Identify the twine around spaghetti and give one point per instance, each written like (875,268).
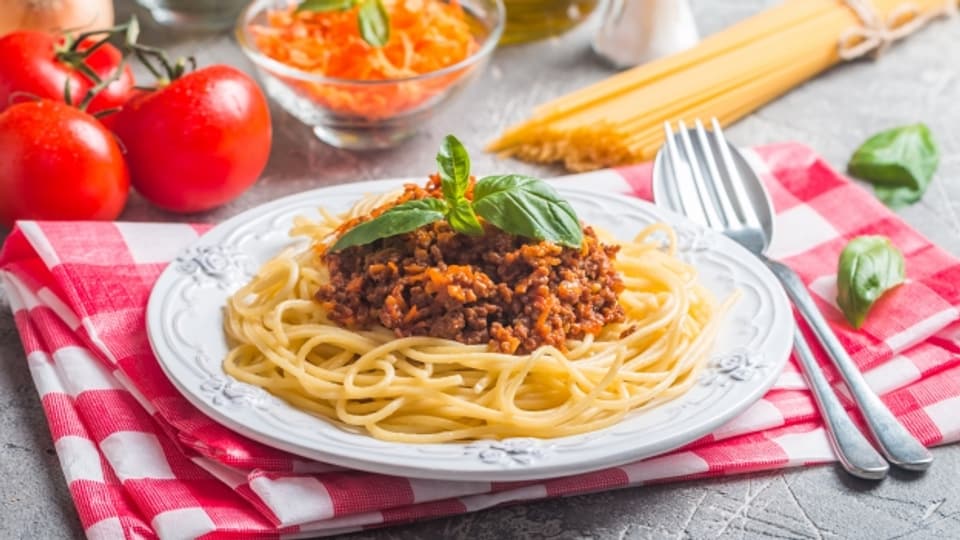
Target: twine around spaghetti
(877,34)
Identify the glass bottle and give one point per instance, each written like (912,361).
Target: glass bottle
(529,20)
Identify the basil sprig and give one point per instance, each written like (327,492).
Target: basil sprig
(899,162)
(869,267)
(373,21)
(453,164)
(400,219)
(513,203)
(463,219)
(528,207)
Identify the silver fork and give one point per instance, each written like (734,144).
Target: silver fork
(706,178)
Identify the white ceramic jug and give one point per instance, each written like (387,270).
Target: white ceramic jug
(636,31)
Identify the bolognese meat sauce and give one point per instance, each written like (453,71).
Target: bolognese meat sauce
(513,293)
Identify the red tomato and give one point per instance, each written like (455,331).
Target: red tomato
(57,162)
(29,64)
(198,142)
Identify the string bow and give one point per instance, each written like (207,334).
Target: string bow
(877,34)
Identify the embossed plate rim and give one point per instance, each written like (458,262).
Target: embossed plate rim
(256,415)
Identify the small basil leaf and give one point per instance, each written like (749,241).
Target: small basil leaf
(374,23)
(463,220)
(325,5)
(899,162)
(400,219)
(897,197)
(453,163)
(869,266)
(528,207)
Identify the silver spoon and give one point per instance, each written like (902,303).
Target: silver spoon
(706,178)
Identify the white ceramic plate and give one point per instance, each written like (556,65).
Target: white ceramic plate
(184,323)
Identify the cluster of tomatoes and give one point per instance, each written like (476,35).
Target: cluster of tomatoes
(76,132)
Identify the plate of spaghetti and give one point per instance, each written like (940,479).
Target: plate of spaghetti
(455,327)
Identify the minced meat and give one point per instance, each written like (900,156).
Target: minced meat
(513,293)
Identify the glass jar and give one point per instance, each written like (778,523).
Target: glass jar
(529,20)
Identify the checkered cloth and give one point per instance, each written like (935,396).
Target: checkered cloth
(140,461)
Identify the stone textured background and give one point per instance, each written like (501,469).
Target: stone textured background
(917,80)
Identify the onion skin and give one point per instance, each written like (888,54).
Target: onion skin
(55,15)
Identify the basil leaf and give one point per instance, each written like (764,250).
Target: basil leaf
(528,207)
(869,266)
(897,197)
(325,5)
(374,23)
(400,219)
(899,162)
(453,162)
(463,220)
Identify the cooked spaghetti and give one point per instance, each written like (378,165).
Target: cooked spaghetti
(311,328)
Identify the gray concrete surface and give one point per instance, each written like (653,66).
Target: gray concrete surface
(918,80)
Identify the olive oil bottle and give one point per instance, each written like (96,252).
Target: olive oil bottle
(529,20)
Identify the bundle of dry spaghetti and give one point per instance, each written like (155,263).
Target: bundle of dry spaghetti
(728,75)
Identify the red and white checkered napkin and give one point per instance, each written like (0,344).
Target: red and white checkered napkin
(141,461)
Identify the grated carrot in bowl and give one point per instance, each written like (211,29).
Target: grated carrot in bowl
(425,36)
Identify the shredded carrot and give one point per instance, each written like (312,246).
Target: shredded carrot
(425,36)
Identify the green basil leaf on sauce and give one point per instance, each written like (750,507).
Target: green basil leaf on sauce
(899,162)
(453,163)
(869,266)
(516,204)
(374,23)
(400,219)
(462,218)
(325,5)
(528,207)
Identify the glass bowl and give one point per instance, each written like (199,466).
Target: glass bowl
(195,14)
(334,107)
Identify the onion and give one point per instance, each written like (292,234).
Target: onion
(55,15)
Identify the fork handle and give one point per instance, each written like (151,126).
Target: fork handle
(896,443)
(854,451)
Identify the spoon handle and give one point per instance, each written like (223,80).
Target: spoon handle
(896,443)
(854,451)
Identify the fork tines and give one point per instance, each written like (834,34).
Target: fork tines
(709,186)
